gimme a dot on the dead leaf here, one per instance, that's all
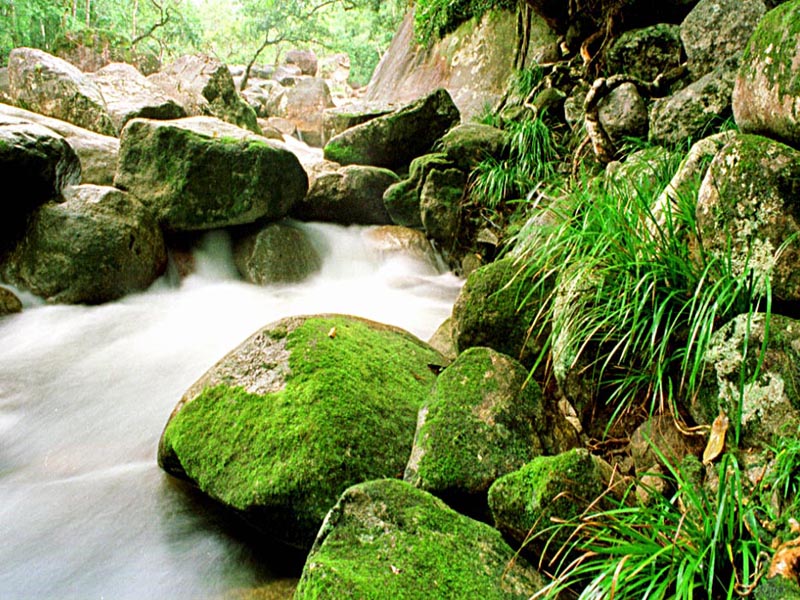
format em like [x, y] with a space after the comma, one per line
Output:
[395, 570]
[716, 440]
[786, 561]
[332, 333]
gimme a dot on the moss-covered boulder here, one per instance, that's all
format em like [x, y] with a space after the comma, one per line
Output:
[525, 503]
[303, 409]
[769, 401]
[350, 195]
[492, 310]
[129, 94]
[440, 205]
[394, 240]
[402, 199]
[9, 303]
[766, 96]
[202, 173]
[646, 52]
[203, 86]
[748, 213]
[40, 163]
[470, 143]
[483, 420]
[97, 246]
[393, 140]
[341, 118]
[45, 84]
[386, 539]
[274, 253]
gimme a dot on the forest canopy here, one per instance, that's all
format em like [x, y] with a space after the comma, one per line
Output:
[235, 31]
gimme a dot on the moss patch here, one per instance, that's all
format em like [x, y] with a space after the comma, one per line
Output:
[346, 414]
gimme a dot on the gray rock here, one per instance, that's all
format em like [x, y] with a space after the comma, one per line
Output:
[97, 153]
[440, 204]
[468, 144]
[395, 139]
[299, 412]
[766, 97]
[623, 113]
[341, 118]
[483, 420]
[349, 195]
[386, 539]
[97, 246]
[304, 104]
[392, 240]
[204, 87]
[770, 402]
[693, 111]
[129, 94]
[265, 97]
[305, 60]
[644, 53]
[202, 173]
[402, 199]
[40, 163]
[748, 210]
[275, 253]
[42, 83]
[717, 30]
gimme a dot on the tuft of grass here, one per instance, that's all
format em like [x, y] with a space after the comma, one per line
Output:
[689, 544]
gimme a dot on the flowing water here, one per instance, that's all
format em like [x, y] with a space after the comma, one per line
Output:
[85, 393]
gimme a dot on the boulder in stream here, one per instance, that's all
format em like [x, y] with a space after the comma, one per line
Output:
[386, 539]
[97, 246]
[202, 173]
[303, 409]
[275, 253]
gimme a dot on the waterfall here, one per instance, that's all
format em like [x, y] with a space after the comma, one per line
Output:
[85, 392]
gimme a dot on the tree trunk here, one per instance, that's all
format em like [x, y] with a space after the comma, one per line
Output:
[133, 19]
[88, 13]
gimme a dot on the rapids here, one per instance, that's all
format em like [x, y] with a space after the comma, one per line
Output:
[85, 392]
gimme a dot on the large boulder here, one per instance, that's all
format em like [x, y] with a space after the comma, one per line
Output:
[97, 246]
[341, 118]
[204, 87]
[693, 112]
[765, 387]
[40, 163]
[440, 202]
[349, 195]
[393, 140]
[766, 97]
[51, 86]
[470, 143]
[717, 30]
[305, 60]
[386, 539]
[645, 53]
[623, 113]
[484, 419]
[493, 310]
[748, 213]
[129, 94]
[202, 173]
[303, 409]
[402, 199]
[97, 153]
[304, 104]
[275, 253]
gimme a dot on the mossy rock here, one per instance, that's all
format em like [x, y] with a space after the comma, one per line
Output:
[493, 310]
[766, 96]
[97, 246]
[748, 210]
[440, 204]
[484, 420]
[525, 503]
[386, 539]
[770, 402]
[303, 409]
[402, 199]
[9, 303]
[470, 143]
[777, 588]
[393, 140]
[202, 173]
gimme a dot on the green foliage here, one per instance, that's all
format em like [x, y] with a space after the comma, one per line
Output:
[689, 544]
[531, 160]
[436, 18]
[525, 80]
[636, 309]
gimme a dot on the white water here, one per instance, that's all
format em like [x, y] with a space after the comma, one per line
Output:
[85, 392]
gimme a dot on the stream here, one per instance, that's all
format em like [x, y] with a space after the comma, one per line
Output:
[85, 392]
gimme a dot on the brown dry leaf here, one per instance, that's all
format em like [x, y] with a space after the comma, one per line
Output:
[332, 333]
[716, 440]
[786, 561]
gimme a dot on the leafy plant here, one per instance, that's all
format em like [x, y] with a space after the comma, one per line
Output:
[435, 18]
[689, 544]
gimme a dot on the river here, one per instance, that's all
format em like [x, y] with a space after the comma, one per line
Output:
[84, 395]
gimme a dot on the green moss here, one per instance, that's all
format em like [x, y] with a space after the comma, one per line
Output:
[433, 19]
[347, 414]
[343, 153]
[386, 539]
[776, 37]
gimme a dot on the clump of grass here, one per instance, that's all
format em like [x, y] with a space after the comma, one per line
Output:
[689, 544]
[531, 159]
